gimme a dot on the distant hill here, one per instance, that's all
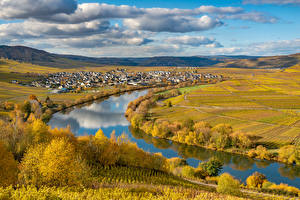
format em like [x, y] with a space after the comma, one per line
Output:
[262, 62]
[39, 57]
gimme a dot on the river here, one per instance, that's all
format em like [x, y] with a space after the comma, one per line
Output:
[108, 114]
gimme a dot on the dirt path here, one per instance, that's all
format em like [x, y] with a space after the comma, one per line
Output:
[244, 190]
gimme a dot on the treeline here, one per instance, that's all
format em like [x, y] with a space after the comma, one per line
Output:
[220, 137]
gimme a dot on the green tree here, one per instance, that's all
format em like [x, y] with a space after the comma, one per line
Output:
[212, 167]
[227, 184]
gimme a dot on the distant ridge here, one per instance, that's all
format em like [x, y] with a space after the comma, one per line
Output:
[40, 57]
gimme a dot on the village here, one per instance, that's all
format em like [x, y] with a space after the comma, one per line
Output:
[67, 81]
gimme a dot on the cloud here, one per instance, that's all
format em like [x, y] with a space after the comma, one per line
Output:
[279, 2]
[100, 41]
[252, 16]
[23, 9]
[172, 24]
[279, 47]
[194, 41]
[91, 11]
[276, 47]
[219, 10]
[36, 29]
[97, 33]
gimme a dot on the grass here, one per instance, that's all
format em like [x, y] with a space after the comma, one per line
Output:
[192, 88]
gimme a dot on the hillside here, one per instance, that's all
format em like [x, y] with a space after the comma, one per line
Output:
[262, 62]
[39, 57]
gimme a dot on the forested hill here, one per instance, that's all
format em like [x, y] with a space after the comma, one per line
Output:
[39, 57]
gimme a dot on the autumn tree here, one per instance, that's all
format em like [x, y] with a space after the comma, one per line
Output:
[203, 131]
[262, 152]
[241, 140]
[29, 169]
[8, 167]
[289, 154]
[26, 109]
[39, 131]
[256, 180]
[221, 135]
[227, 184]
[55, 164]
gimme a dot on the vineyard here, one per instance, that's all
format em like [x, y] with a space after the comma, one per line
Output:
[134, 175]
[134, 192]
[265, 106]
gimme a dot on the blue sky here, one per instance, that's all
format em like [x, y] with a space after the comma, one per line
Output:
[137, 28]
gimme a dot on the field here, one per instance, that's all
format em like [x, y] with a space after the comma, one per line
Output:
[265, 105]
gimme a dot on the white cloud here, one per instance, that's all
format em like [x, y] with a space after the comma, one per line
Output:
[22, 9]
[279, 47]
[279, 2]
[35, 29]
[194, 41]
[252, 16]
[172, 24]
[92, 11]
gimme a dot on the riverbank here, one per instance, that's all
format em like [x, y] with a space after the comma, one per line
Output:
[58, 107]
[140, 117]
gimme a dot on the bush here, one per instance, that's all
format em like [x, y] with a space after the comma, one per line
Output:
[256, 180]
[188, 171]
[228, 185]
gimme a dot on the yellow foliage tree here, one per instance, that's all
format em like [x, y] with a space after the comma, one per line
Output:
[289, 154]
[256, 180]
[55, 164]
[39, 131]
[60, 165]
[8, 167]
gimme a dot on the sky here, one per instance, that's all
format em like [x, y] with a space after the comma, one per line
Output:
[142, 28]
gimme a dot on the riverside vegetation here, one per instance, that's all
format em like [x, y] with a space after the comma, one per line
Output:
[38, 162]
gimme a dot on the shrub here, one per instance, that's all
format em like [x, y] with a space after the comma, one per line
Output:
[228, 185]
[188, 171]
[256, 180]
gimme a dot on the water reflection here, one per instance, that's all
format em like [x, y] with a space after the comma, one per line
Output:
[108, 114]
[239, 166]
[103, 113]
